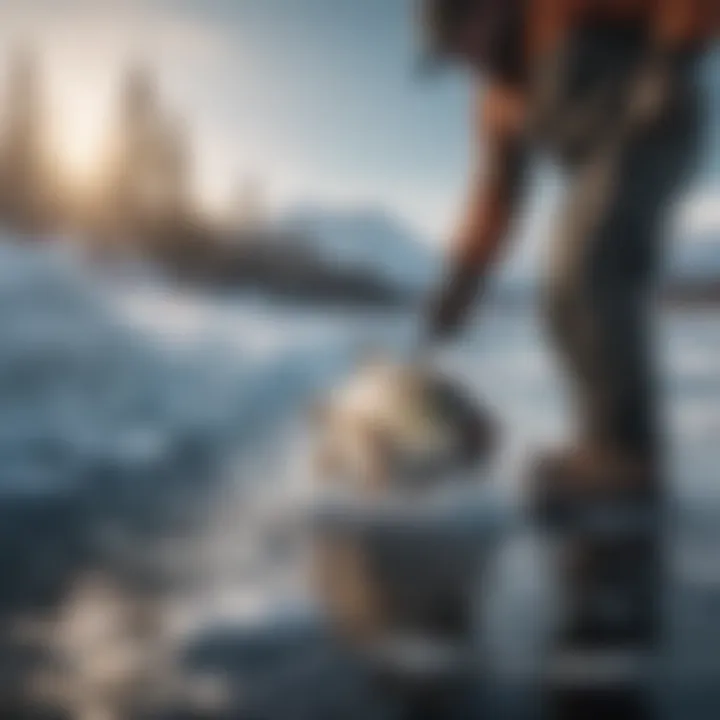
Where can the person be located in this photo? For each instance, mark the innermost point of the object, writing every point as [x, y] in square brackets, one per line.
[608, 89]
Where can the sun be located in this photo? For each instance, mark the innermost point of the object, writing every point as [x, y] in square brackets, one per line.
[80, 133]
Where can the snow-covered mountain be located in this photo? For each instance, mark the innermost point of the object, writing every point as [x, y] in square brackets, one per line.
[369, 238]
[375, 240]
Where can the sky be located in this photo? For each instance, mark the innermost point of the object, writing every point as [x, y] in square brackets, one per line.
[319, 100]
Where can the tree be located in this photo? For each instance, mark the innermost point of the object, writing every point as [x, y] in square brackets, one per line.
[25, 192]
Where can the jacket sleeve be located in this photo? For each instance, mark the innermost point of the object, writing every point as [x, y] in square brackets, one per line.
[679, 23]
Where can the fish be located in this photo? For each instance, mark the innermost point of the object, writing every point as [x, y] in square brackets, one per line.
[395, 425]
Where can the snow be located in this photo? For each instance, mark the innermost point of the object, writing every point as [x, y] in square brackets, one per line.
[149, 435]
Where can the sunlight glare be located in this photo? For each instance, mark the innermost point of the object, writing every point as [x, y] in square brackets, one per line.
[82, 129]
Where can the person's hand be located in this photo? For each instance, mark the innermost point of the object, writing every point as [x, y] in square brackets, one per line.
[448, 309]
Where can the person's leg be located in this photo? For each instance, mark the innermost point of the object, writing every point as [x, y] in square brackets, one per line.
[603, 277]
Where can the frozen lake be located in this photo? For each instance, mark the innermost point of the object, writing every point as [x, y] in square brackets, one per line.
[153, 448]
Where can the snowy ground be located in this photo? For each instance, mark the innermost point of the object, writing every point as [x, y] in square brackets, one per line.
[150, 440]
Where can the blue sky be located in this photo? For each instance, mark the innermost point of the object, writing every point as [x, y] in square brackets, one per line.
[319, 99]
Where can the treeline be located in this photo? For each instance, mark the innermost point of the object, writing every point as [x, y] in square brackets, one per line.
[142, 203]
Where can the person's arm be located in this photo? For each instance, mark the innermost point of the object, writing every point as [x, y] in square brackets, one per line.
[494, 193]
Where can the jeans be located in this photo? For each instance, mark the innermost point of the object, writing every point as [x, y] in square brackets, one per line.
[606, 252]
